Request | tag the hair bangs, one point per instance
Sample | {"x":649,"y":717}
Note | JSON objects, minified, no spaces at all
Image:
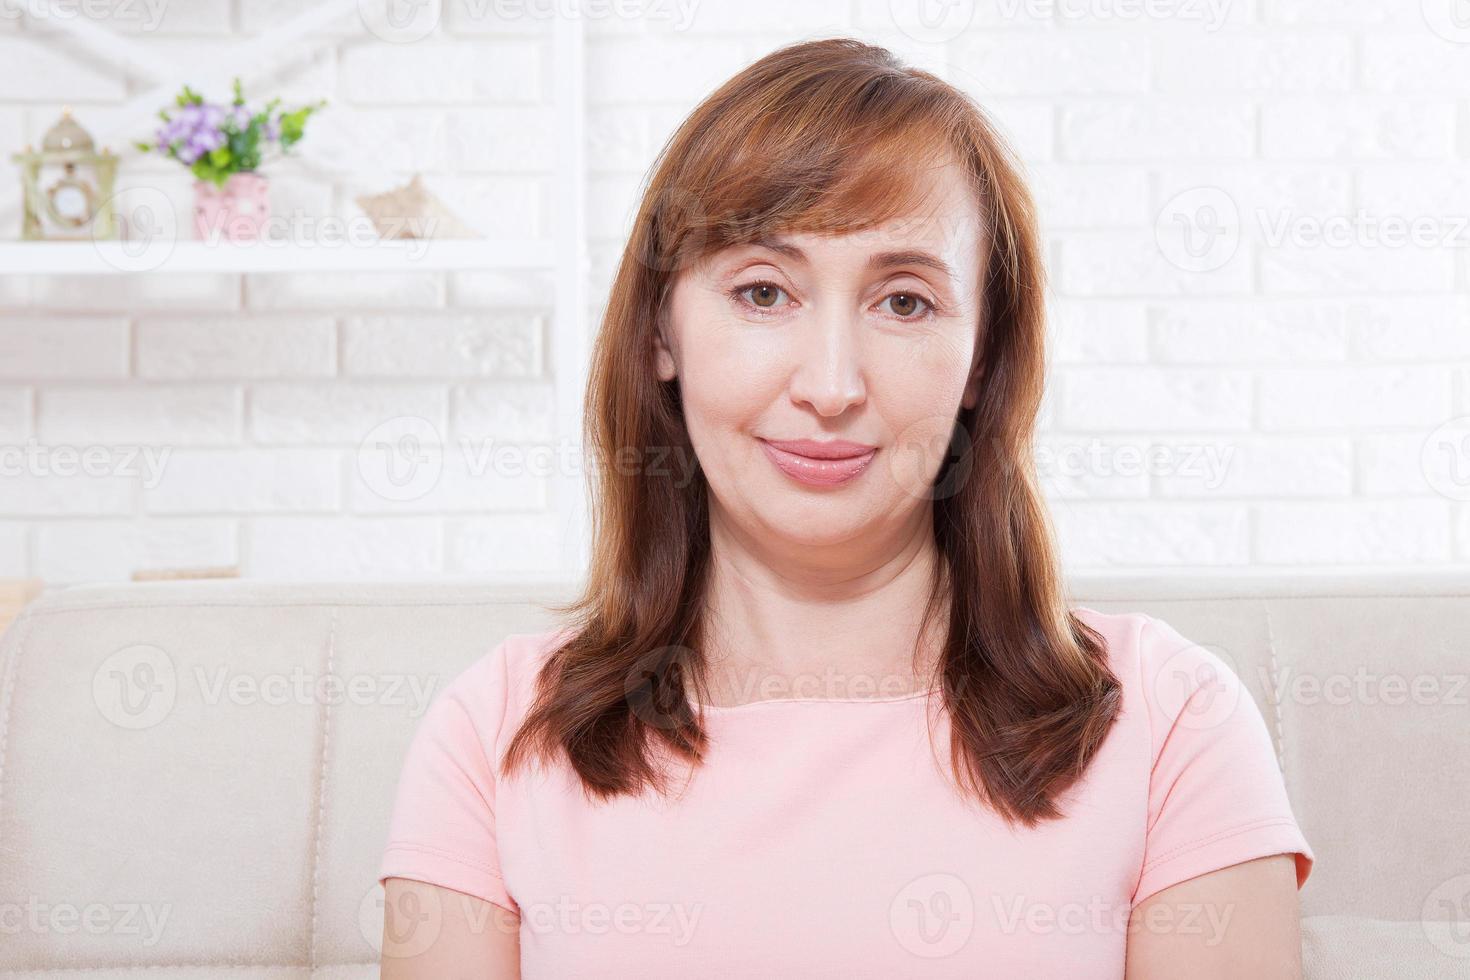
{"x":847,"y":159}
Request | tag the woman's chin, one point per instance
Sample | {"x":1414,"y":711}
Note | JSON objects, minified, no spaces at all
{"x":817,"y":527}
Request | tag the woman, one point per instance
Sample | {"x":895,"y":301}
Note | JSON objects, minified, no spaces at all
{"x":823,"y":708}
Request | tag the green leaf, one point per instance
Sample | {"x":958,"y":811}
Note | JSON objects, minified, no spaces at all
{"x":293,"y":124}
{"x":245,"y":146}
{"x":144,"y":146}
{"x":220,"y":157}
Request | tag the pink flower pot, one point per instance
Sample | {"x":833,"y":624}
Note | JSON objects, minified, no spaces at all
{"x":236,"y":212}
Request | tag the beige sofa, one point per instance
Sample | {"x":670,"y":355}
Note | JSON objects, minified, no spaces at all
{"x":176,"y":800}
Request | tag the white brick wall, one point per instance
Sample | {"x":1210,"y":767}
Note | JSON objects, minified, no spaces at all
{"x":1272,"y":409}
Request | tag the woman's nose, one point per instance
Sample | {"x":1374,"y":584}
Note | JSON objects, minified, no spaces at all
{"x":828,"y":374}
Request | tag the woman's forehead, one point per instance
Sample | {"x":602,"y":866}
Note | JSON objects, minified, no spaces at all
{"x":933,"y":207}
{"x":945,"y":241}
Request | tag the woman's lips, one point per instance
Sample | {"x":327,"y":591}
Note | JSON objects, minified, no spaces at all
{"x":819,"y":464}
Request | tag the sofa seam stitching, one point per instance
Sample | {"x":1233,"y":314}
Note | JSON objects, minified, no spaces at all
{"x":1271,"y":690}
{"x":321,"y":798}
{"x":8,"y":682}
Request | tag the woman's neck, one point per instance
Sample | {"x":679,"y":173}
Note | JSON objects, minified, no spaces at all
{"x":791,"y":620}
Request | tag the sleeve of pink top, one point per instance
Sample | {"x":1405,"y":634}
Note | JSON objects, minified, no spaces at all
{"x":442,"y":830}
{"x":1217,"y":796}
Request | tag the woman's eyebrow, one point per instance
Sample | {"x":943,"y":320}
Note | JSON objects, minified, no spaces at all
{"x":884,"y":260}
{"x":782,"y":247}
{"x":880,"y":260}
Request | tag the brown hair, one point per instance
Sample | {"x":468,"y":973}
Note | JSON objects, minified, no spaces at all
{"x":824,"y":136}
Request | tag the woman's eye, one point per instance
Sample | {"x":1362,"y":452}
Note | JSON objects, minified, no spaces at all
{"x":906,"y":305}
{"x":769,"y":296}
{"x":763,"y":295}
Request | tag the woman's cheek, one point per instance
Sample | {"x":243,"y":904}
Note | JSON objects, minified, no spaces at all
{"x":925,"y":372}
{"x":739,"y":362}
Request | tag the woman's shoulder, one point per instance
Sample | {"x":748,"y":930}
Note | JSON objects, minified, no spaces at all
{"x":1216,"y":794}
{"x":500,"y":684}
{"x":1162,"y":668}
{"x":1127,"y":636}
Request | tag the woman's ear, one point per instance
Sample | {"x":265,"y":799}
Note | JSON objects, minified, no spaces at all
{"x":663,"y":356}
{"x":972,"y":389}
{"x":977,"y":372}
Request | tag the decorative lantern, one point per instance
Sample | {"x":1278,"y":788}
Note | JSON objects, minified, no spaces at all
{"x":67,"y":187}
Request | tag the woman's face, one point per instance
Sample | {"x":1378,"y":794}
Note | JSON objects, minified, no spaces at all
{"x":862,"y":341}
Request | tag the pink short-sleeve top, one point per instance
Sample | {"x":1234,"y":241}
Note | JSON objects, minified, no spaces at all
{"x":826,"y":838}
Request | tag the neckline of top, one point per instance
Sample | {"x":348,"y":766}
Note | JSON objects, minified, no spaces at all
{"x":897,"y":699}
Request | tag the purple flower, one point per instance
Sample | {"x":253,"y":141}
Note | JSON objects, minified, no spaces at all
{"x":194,"y":131}
{"x":190,"y":116}
{"x":190,"y":132}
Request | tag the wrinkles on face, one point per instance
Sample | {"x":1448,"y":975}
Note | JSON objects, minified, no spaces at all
{"x":863,"y":336}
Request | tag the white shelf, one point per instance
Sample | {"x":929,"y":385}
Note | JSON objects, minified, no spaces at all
{"x":258,"y":59}
{"x":165,"y":256}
